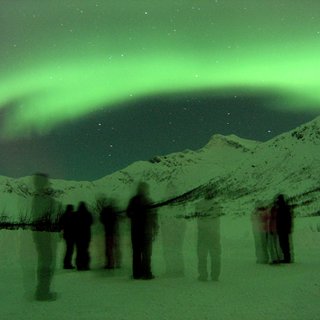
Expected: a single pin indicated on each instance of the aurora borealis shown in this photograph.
(64, 61)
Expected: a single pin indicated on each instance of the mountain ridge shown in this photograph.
(240, 170)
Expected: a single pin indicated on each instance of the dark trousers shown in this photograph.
(284, 243)
(83, 257)
(113, 255)
(70, 242)
(141, 256)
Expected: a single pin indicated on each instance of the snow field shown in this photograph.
(246, 290)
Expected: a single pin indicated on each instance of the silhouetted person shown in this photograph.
(109, 219)
(144, 227)
(283, 214)
(67, 223)
(44, 210)
(209, 244)
(83, 222)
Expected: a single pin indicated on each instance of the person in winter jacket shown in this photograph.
(284, 225)
(144, 227)
(110, 220)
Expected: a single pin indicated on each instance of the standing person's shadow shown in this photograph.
(44, 213)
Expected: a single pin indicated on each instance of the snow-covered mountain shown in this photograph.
(240, 171)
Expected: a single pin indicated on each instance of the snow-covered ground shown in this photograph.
(246, 290)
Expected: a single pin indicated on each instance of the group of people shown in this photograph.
(76, 226)
(144, 228)
(272, 228)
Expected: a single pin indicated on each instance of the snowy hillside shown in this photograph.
(241, 172)
(289, 163)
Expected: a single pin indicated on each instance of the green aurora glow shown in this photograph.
(64, 59)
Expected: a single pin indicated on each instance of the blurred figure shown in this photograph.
(260, 225)
(44, 210)
(83, 222)
(173, 229)
(110, 220)
(144, 227)
(284, 224)
(209, 244)
(67, 224)
(273, 239)
(265, 235)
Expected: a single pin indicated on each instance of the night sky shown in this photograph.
(88, 87)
